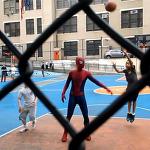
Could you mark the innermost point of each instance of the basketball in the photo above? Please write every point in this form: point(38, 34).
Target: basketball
point(110, 6)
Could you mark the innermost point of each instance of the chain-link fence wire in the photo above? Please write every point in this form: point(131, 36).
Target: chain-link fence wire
point(66, 66)
point(52, 51)
point(26, 71)
point(49, 51)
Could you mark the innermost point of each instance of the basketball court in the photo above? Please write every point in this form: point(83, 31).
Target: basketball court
point(43, 31)
point(116, 133)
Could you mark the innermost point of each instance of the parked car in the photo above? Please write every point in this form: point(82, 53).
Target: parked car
point(115, 53)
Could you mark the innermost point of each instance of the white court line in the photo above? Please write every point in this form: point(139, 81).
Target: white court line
point(146, 109)
point(87, 106)
point(53, 82)
point(114, 94)
point(55, 90)
point(114, 117)
point(93, 116)
point(81, 115)
point(143, 108)
point(21, 126)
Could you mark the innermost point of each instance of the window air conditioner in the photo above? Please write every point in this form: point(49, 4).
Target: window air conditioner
point(134, 11)
point(12, 12)
point(104, 16)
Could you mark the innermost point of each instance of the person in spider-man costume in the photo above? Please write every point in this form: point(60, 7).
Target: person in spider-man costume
point(78, 78)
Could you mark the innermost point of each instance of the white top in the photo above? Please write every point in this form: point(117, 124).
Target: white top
point(28, 95)
point(13, 70)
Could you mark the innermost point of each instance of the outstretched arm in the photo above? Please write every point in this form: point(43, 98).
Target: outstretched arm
point(91, 78)
point(129, 59)
point(119, 71)
point(65, 88)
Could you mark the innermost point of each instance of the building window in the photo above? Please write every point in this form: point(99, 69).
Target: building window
point(12, 29)
point(69, 27)
point(29, 26)
point(72, 2)
point(38, 4)
point(99, 2)
point(62, 4)
point(143, 41)
point(91, 26)
point(132, 18)
point(132, 39)
point(70, 48)
point(40, 51)
point(11, 7)
point(59, 4)
point(65, 3)
point(39, 25)
point(28, 45)
point(28, 5)
point(6, 8)
point(92, 47)
point(6, 52)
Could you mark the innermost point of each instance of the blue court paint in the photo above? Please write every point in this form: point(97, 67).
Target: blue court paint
point(96, 102)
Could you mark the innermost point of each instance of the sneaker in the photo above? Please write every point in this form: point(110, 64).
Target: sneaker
point(128, 116)
point(88, 138)
point(64, 137)
point(132, 118)
point(23, 130)
point(33, 125)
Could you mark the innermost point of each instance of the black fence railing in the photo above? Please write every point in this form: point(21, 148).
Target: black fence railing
point(25, 70)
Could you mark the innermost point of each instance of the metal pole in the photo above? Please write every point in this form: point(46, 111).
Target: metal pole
point(11, 58)
point(82, 48)
point(101, 47)
point(50, 51)
point(36, 54)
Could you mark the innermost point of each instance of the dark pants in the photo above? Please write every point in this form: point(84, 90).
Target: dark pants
point(80, 100)
point(43, 72)
point(3, 76)
point(134, 95)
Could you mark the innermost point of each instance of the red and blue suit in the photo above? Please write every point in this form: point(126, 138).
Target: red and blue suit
point(78, 79)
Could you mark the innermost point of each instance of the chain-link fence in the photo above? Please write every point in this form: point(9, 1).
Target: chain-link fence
point(63, 50)
point(25, 71)
point(66, 65)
